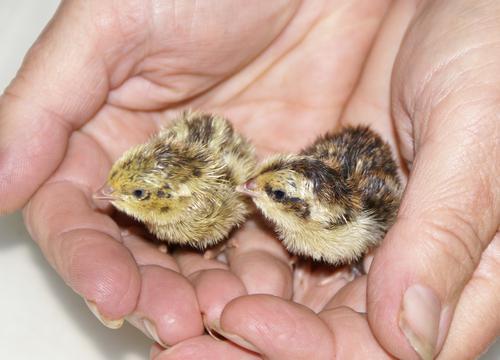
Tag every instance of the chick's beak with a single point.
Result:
(249, 188)
(104, 193)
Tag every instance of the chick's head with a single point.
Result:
(152, 183)
(281, 191)
(294, 188)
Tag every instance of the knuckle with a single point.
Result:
(457, 239)
(489, 268)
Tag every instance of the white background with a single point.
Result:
(41, 317)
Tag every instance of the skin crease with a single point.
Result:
(104, 75)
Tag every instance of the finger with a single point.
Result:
(477, 309)
(60, 85)
(451, 206)
(353, 296)
(449, 214)
(314, 285)
(167, 309)
(82, 244)
(260, 261)
(353, 336)
(276, 328)
(424, 263)
(204, 347)
(158, 310)
(215, 288)
(214, 284)
(147, 253)
(191, 261)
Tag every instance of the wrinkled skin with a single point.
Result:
(104, 75)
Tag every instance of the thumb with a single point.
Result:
(449, 214)
(60, 85)
(445, 106)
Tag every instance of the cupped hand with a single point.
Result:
(432, 287)
(104, 75)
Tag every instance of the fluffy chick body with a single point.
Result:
(181, 183)
(333, 201)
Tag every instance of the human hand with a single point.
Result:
(442, 241)
(100, 79)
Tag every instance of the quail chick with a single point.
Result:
(181, 183)
(333, 201)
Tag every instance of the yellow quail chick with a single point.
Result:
(333, 201)
(181, 183)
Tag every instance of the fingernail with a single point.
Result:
(125, 232)
(112, 324)
(150, 328)
(163, 248)
(237, 340)
(419, 319)
(212, 328)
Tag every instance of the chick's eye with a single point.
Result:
(139, 193)
(278, 194)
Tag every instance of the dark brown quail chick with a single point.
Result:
(333, 201)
